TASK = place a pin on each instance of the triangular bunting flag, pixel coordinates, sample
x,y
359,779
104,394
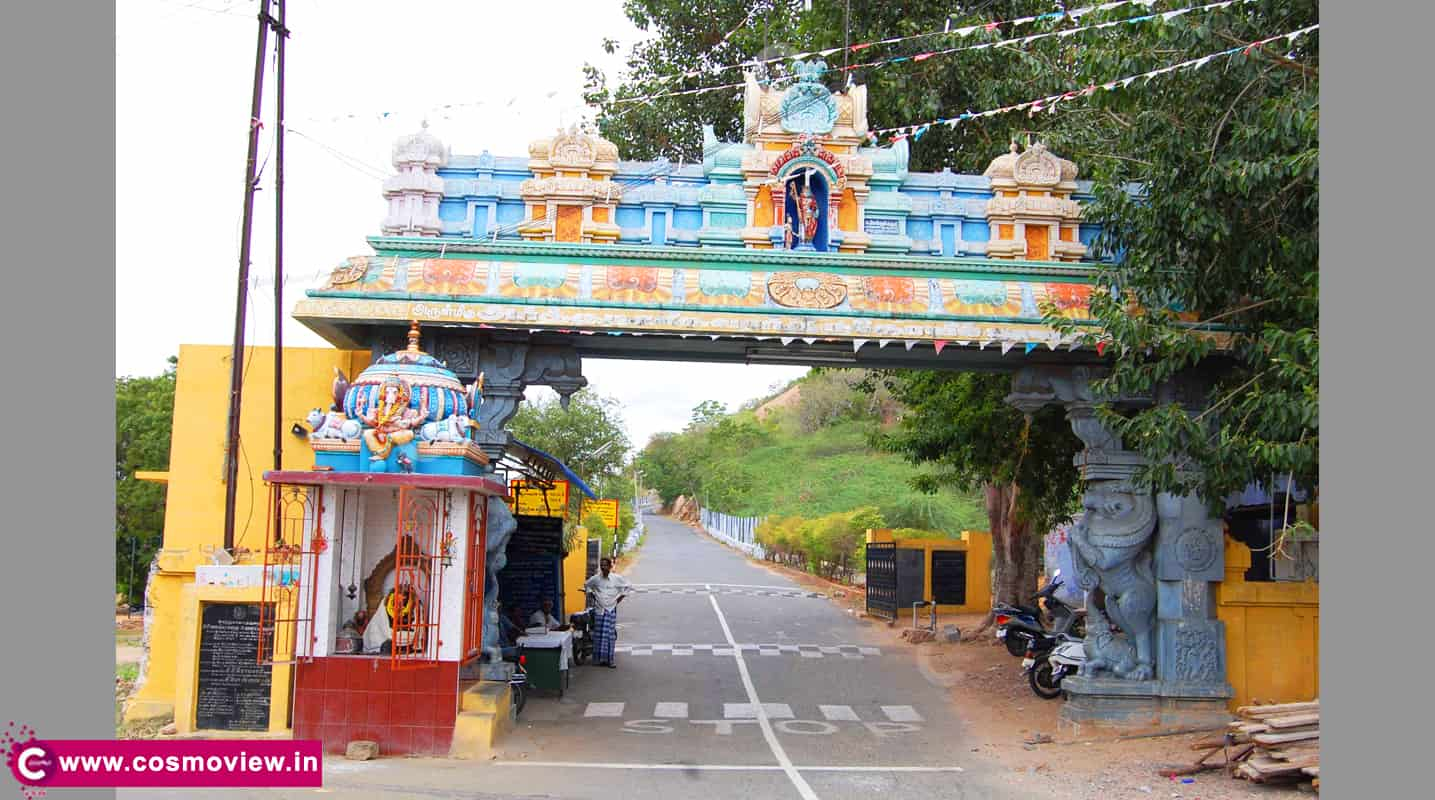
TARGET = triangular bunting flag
x,y
714,337
909,343
1007,346
1101,348
857,344
1030,346
939,344
809,341
787,340
883,342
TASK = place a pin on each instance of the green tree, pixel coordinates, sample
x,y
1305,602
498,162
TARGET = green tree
x,y
1224,231
962,428
144,412
588,436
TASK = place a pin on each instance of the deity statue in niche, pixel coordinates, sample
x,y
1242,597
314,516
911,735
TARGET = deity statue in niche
x,y
391,422
807,212
806,229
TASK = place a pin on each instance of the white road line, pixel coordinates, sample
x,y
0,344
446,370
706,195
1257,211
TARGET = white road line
x,y
781,755
604,710
839,713
671,710
745,711
901,713
717,767
734,585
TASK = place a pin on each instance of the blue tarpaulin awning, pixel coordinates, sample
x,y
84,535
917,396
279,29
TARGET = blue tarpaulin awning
x,y
549,464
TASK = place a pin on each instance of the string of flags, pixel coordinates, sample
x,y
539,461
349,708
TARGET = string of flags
x,y
1050,102
965,30
1013,42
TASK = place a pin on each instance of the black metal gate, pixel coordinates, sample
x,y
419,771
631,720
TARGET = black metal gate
x,y
882,579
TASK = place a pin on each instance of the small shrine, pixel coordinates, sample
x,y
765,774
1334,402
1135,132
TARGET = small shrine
x,y
384,564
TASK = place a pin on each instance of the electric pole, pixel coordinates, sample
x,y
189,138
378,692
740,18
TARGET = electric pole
x,y
236,374
281,34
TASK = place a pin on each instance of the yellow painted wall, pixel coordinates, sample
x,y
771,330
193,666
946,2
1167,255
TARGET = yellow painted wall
x,y
194,507
762,213
1272,634
978,546
847,211
187,663
575,568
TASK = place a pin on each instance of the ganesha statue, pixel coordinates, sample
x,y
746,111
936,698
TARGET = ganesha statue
x,y
391,424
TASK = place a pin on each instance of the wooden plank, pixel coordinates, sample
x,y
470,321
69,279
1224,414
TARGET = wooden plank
x,y
1293,720
1281,708
1282,738
1295,749
1270,766
1314,772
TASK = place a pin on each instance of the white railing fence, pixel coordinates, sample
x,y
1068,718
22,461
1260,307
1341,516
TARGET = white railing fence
x,y
740,532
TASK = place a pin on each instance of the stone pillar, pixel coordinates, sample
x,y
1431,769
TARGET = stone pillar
x,y
1152,560
510,363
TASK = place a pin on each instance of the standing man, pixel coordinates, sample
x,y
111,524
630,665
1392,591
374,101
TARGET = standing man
x,y
607,591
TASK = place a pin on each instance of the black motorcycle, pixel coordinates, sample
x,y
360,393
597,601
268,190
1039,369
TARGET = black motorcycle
x,y
1017,626
582,625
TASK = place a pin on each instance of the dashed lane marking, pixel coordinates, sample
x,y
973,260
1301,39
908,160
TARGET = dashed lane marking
x,y
839,713
901,713
604,710
671,710
746,711
847,651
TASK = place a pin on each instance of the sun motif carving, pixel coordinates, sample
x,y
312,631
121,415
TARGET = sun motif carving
x,y
806,290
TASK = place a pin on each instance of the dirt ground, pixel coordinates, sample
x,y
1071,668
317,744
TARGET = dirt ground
x,y
1003,715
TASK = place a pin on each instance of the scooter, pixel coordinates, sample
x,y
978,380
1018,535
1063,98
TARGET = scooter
x,y
1046,670
1017,624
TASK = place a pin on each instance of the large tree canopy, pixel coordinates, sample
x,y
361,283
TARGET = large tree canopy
x,y
1222,224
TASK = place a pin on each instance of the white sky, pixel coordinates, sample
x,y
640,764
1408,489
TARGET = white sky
x,y
184,71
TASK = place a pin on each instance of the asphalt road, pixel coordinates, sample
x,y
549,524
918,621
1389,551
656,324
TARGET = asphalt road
x,y
732,681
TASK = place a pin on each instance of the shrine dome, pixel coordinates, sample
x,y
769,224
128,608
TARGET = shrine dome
x,y
433,387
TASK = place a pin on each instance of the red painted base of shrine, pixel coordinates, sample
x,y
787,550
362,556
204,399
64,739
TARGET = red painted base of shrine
x,y
344,698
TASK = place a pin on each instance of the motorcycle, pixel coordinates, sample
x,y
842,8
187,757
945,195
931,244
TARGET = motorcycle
x,y
518,682
581,624
1018,625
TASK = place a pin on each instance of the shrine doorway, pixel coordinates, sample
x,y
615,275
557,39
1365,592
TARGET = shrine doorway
x,y
793,186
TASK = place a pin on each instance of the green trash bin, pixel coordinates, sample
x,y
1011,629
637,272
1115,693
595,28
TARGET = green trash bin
x,y
542,662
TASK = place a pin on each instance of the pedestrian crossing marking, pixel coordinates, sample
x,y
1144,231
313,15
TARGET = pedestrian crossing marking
x,y
839,713
604,710
901,713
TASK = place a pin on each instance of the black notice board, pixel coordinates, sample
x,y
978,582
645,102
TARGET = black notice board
x,y
526,580
595,548
949,577
233,687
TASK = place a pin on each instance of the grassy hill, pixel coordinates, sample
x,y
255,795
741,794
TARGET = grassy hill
x,y
807,456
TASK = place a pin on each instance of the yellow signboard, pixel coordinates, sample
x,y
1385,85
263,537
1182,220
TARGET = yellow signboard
x,y
607,510
531,500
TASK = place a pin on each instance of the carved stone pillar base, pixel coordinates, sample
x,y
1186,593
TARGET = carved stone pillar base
x,y
1096,706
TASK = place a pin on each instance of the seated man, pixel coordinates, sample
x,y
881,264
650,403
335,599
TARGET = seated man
x,y
510,627
545,617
